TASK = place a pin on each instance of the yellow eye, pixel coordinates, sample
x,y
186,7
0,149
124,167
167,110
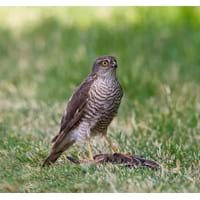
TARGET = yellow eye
x,y
104,63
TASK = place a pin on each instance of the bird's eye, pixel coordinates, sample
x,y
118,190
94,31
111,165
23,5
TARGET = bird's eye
x,y
105,63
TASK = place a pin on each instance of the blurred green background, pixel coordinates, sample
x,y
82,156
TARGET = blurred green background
x,y
45,52
55,47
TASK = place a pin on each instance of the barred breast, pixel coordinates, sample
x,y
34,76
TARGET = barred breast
x,y
103,103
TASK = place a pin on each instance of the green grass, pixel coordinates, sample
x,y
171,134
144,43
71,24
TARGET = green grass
x,y
46,52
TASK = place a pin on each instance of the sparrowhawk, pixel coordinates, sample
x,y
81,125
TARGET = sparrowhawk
x,y
91,108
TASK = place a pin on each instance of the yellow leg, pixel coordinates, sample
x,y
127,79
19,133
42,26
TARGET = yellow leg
x,y
112,146
89,149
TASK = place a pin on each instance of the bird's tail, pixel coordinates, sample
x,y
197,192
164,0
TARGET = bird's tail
x,y
57,149
53,156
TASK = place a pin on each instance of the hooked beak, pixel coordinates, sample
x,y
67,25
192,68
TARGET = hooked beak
x,y
114,64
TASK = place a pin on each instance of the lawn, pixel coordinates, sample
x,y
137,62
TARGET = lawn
x,y
46,52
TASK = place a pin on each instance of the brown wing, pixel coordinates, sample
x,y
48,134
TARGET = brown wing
x,y
74,108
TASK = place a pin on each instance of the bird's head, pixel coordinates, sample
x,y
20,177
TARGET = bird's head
x,y
105,65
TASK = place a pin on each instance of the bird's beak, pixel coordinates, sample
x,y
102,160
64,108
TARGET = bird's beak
x,y
114,65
